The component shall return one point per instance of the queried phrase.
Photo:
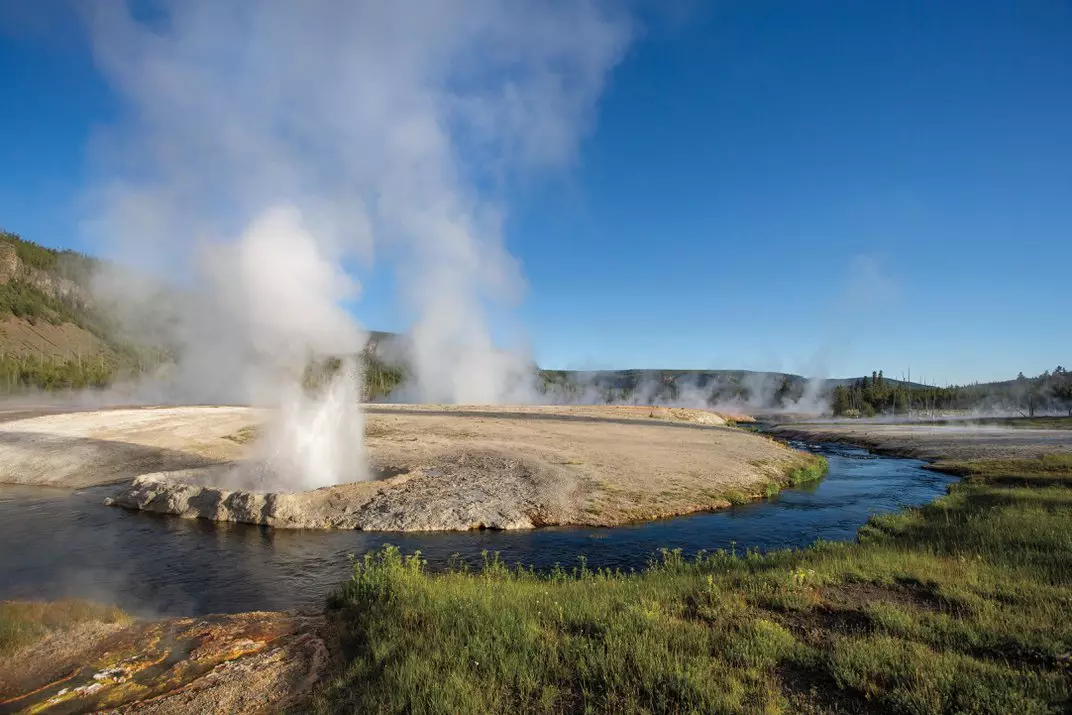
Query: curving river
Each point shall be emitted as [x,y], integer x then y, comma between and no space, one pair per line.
[56,543]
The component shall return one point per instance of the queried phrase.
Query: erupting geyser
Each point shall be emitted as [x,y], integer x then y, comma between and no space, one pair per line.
[269,146]
[319,439]
[282,295]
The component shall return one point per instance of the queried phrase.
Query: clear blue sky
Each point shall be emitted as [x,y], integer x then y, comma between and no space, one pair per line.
[821,187]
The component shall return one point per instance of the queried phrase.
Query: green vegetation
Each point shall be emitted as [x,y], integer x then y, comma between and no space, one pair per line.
[379,378]
[815,470]
[23,297]
[960,606]
[18,373]
[667,386]
[867,397]
[813,467]
[66,264]
[24,300]
[22,623]
[1044,470]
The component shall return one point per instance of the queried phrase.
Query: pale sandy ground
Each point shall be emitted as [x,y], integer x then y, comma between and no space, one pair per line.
[933,442]
[242,663]
[49,447]
[443,467]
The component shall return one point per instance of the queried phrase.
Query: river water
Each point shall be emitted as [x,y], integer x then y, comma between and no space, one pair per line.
[56,543]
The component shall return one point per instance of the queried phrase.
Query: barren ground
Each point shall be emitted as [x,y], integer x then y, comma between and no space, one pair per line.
[43,340]
[47,446]
[932,442]
[440,467]
[248,662]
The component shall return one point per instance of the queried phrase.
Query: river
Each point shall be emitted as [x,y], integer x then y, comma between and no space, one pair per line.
[56,543]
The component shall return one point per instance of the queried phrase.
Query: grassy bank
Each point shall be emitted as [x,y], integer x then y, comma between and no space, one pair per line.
[22,623]
[812,469]
[960,606]
[1044,470]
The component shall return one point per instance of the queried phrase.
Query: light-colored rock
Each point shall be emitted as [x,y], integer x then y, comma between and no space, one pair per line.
[468,490]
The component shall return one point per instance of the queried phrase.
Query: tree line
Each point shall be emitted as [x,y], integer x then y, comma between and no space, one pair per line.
[1049,392]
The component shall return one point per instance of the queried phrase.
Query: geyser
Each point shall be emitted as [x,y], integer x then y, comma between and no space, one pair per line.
[268,147]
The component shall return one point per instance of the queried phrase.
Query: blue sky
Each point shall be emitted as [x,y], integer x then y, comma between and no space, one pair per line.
[819,187]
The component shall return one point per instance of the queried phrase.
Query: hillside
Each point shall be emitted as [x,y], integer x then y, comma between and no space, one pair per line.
[41,339]
[51,334]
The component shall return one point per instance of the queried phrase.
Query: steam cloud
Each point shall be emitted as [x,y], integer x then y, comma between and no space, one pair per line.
[271,150]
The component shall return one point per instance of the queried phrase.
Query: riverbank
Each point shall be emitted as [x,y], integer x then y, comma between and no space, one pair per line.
[62,544]
[934,441]
[959,606]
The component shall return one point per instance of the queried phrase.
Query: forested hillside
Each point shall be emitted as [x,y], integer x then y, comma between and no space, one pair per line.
[1049,392]
[52,336]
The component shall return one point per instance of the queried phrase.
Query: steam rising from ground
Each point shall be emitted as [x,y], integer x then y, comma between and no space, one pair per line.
[735,392]
[272,149]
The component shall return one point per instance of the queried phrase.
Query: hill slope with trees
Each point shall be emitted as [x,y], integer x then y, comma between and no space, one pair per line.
[52,335]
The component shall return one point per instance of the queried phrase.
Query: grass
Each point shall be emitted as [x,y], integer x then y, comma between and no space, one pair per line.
[813,471]
[23,623]
[957,607]
[1044,470]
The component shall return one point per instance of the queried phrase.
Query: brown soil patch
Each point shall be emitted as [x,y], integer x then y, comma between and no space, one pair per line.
[857,595]
[610,464]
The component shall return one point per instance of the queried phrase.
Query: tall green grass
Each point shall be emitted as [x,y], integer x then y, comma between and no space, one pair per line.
[960,606]
[813,471]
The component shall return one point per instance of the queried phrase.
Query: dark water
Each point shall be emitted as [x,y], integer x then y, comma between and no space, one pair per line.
[58,543]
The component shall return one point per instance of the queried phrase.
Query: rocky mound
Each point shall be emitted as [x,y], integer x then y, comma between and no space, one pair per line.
[464,490]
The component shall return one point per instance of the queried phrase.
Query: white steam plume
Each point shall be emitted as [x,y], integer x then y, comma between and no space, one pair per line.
[269,146]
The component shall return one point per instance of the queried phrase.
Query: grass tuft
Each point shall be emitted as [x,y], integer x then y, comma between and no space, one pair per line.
[813,471]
